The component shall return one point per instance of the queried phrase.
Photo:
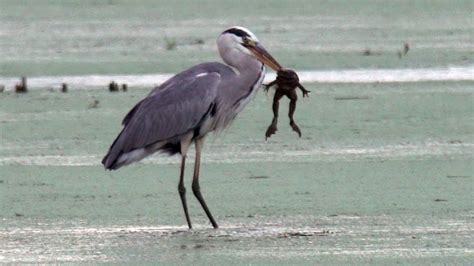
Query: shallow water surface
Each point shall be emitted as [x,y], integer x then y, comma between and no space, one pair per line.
[383,173]
[286,239]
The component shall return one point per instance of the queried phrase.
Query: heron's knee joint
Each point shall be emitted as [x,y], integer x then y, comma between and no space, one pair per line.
[196,187]
[181,189]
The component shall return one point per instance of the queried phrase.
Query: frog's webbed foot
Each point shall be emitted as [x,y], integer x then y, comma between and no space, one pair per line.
[272,129]
[295,127]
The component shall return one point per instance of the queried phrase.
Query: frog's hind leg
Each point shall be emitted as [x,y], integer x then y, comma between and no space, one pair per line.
[293,98]
[273,126]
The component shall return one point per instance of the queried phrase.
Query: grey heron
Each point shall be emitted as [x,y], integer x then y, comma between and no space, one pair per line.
[184,109]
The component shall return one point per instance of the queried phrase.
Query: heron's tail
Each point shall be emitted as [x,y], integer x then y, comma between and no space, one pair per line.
[109,163]
[106,162]
[115,151]
[118,157]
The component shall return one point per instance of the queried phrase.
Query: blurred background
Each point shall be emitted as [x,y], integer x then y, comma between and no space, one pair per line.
[123,37]
[382,174]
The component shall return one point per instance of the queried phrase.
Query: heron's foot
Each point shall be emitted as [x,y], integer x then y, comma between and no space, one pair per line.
[271,130]
[295,128]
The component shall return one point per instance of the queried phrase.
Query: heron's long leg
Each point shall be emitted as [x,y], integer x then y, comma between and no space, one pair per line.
[185,142]
[276,104]
[293,98]
[182,192]
[196,188]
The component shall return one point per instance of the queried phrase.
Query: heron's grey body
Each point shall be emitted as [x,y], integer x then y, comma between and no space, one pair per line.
[199,100]
[184,109]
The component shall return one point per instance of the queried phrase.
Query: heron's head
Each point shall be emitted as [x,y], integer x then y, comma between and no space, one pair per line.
[242,40]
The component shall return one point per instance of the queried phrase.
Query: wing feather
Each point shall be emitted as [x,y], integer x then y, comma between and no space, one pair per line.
[166,113]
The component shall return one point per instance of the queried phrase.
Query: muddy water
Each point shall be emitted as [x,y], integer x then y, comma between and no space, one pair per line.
[382,175]
[301,239]
[383,178]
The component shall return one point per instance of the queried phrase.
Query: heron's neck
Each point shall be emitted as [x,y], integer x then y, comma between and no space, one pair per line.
[249,69]
[246,83]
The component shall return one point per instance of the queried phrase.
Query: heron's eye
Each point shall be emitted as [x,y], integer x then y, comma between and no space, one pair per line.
[247,41]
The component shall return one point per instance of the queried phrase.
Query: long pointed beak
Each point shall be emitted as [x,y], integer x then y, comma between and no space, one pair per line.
[265,57]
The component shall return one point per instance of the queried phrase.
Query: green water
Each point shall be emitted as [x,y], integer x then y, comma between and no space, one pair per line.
[382,179]
[382,175]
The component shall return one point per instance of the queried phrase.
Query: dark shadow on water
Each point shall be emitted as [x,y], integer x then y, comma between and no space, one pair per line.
[259,177]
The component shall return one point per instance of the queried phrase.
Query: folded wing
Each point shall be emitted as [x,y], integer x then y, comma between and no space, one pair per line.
[166,114]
